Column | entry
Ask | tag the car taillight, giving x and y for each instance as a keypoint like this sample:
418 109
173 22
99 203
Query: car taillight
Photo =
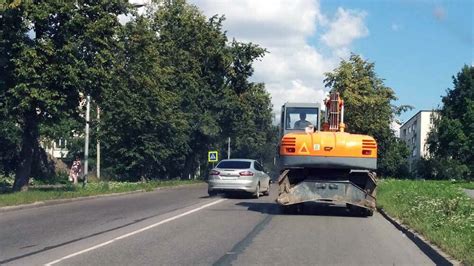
246 173
366 152
214 172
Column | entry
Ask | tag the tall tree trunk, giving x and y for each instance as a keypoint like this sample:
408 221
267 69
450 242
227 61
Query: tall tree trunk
28 149
189 167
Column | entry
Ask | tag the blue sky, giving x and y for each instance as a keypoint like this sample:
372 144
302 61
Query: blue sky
417 46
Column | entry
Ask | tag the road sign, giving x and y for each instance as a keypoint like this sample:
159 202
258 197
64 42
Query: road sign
212 156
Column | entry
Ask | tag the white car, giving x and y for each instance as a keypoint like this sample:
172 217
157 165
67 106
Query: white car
243 175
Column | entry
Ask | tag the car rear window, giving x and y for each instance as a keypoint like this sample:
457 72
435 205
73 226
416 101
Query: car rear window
234 164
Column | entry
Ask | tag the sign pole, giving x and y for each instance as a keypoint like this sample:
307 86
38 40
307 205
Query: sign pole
98 146
86 145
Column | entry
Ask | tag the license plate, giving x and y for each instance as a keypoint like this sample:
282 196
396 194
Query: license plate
229 177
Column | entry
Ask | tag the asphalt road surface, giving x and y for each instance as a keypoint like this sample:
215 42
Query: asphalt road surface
182 226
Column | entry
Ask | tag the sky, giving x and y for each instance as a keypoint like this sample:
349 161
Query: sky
417 46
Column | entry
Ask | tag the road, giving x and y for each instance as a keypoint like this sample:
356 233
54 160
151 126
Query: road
183 226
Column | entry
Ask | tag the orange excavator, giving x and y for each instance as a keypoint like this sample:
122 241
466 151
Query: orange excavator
325 165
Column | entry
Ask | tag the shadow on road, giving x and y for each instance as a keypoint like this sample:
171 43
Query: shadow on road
231 195
302 209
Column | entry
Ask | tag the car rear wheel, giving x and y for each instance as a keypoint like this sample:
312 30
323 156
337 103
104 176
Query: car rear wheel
212 193
267 192
257 191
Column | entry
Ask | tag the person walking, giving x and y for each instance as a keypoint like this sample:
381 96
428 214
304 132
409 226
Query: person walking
76 170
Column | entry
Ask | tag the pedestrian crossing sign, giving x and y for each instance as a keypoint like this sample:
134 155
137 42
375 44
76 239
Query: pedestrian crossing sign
212 156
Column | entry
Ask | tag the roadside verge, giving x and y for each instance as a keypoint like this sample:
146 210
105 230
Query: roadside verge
432 251
440 213
78 195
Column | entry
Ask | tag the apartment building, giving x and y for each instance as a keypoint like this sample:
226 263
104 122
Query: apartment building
415 133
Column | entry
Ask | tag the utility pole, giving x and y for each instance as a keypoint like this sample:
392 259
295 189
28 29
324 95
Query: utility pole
98 145
228 148
86 145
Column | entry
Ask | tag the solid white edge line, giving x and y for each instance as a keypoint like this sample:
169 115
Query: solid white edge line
134 232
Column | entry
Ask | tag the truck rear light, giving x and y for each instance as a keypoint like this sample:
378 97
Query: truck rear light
214 172
290 149
246 173
366 152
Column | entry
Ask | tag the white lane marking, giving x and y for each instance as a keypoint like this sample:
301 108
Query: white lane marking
134 232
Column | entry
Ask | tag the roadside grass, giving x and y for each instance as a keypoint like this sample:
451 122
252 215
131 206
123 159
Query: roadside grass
70 191
439 210
467 185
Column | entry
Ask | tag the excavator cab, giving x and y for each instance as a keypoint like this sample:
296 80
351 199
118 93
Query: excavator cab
296 116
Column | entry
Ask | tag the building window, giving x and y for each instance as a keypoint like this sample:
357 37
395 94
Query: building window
404 132
414 152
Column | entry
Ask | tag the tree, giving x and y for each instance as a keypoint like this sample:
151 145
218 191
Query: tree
9 141
51 50
143 130
169 84
209 76
369 110
452 137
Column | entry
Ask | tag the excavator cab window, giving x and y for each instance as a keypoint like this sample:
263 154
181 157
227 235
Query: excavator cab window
298 118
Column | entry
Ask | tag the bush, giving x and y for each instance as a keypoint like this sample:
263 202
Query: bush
441 168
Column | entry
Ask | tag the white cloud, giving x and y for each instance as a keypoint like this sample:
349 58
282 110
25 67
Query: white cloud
294 68
347 26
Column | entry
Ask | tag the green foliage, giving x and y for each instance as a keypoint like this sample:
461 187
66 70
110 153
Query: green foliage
169 84
143 129
451 140
369 110
439 210
210 78
9 143
395 153
50 51
441 168
255 136
467 184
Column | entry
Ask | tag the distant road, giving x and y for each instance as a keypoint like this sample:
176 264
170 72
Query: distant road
182 226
